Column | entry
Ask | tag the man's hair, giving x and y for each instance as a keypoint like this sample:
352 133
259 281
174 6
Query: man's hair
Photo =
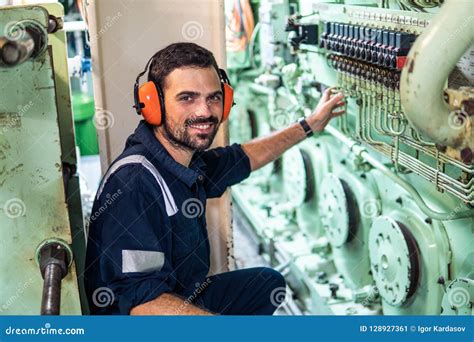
176 56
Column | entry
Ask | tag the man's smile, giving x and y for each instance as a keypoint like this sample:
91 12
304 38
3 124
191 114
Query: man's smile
202 128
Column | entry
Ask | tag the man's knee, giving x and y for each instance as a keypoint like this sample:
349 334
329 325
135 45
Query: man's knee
275 287
274 277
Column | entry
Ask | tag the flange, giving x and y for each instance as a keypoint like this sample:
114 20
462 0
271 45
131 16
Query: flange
393 260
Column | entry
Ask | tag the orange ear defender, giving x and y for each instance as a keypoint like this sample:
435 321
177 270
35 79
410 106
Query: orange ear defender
149 101
228 94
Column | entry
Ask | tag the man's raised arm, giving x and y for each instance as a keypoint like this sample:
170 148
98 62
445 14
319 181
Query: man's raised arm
262 151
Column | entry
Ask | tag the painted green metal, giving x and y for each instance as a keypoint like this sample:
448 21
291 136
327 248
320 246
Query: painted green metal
458 297
36 145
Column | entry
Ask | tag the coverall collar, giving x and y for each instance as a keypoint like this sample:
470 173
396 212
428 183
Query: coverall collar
188 175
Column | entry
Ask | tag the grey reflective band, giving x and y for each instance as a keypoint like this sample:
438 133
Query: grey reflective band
142 261
170 205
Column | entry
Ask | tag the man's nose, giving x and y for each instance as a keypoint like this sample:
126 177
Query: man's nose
204 108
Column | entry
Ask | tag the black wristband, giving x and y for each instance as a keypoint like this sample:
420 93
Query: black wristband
307 129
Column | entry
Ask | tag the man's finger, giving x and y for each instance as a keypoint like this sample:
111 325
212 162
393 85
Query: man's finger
326 95
338 113
335 99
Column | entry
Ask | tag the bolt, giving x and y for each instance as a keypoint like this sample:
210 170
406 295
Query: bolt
466 155
321 277
333 288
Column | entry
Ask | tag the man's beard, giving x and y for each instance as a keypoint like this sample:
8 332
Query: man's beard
180 138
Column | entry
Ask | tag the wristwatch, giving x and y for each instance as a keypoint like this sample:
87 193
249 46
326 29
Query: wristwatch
307 129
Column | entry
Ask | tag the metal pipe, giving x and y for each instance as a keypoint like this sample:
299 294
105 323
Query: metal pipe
23 40
51 300
15 52
362 152
54 258
442 157
438 48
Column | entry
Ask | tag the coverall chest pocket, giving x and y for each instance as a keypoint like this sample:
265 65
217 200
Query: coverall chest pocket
186 233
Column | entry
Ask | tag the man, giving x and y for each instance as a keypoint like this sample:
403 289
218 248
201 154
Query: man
148 249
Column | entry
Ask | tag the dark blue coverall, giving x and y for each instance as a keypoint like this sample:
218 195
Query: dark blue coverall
148 234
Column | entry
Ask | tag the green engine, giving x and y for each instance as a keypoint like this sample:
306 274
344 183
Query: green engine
40 205
375 215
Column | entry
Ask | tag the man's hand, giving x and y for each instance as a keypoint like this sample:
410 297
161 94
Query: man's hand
169 304
330 105
263 150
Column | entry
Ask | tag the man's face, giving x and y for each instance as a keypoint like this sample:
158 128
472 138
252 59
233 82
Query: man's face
194 105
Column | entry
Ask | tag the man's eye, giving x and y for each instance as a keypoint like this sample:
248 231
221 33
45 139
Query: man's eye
215 98
186 98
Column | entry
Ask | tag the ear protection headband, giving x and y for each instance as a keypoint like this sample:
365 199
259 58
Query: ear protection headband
149 100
